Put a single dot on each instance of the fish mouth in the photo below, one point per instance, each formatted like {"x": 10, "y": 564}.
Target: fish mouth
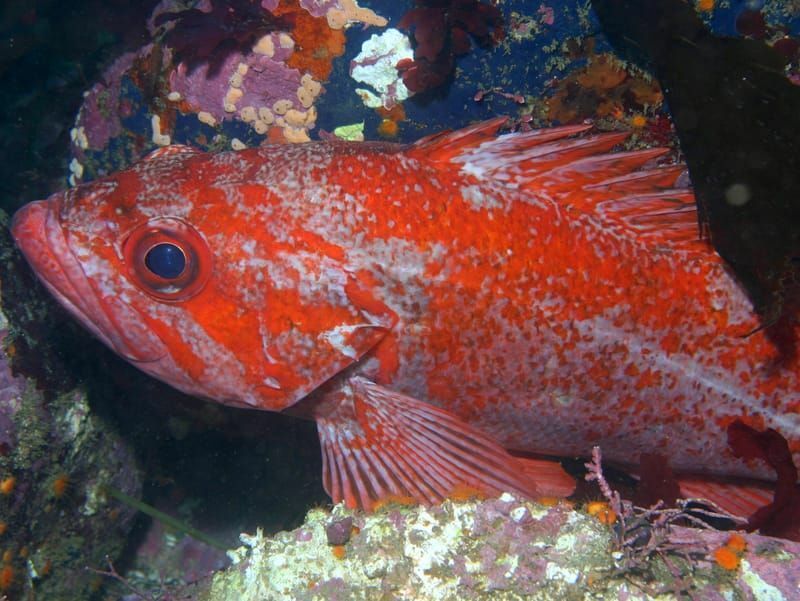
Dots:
{"x": 37, "y": 231}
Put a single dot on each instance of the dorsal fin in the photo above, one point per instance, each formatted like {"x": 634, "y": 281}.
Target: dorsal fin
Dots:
{"x": 624, "y": 190}
{"x": 448, "y": 145}
{"x": 444, "y": 145}
{"x": 173, "y": 150}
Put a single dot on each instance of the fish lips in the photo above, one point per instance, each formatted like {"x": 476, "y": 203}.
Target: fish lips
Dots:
{"x": 38, "y": 233}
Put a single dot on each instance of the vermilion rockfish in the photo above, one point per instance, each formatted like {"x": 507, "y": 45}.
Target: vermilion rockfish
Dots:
{"x": 437, "y": 308}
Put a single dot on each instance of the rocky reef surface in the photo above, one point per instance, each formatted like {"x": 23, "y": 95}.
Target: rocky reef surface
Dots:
{"x": 497, "y": 549}
{"x": 58, "y": 458}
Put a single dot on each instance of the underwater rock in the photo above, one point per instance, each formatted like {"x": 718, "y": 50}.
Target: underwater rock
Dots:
{"x": 57, "y": 456}
{"x": 497, "y": 549}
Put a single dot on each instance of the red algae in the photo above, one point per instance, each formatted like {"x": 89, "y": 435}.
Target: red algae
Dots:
{"x": 782, "y": 516}
{"x": 442, "y": 30}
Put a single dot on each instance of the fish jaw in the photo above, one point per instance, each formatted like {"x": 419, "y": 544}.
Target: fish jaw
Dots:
{"x": 38, "y": 233}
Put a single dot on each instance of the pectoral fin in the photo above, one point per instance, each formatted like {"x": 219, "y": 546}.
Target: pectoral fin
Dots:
{"x": 386, "y": 445}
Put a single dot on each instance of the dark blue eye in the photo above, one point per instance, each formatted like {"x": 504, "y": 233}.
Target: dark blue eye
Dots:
{"x": 165, "y": 260}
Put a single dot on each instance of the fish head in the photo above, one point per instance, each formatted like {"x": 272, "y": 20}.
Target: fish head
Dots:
{"x": 203, "y": 279}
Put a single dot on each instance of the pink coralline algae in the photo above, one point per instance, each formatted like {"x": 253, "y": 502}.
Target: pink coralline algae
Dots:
{"x": 208, "y": 35}
{"x": 260, "y": 64}
{"x": 500, "y": 548}
{"x": 338, "y": 530}
{"x": 262, "y": 80}
{"x": 99, "y": 118}
{"x": 319, "y": 8}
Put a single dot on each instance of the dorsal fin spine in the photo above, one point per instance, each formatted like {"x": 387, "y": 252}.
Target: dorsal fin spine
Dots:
{"x": 577, "y": 170}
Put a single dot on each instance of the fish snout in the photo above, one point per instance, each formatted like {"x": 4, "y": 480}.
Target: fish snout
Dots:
{"x": 38, "y": 233}
{"x": 28, "y": 222}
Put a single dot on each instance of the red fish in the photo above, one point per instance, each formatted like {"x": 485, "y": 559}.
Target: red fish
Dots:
{"x": 437, "y": 308}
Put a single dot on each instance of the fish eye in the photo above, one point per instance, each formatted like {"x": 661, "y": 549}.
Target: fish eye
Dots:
{"x": 167, "y": 258}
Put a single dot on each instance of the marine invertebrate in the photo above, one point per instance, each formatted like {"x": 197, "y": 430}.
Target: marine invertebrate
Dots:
{"x": 388, "y": 128}
{"x": 6, "y": 577}
{"x": 495, "y": 548}
{"x": 736, "y": 542}
{"x": 315, "y": 42}
{"x": 7, "y": 485}
{"x": 256, "y": 87}
{"x": 99, "y": 118}
{"x": 604, "y": 88}
{"x": 729, "y": 555}
{"x": 268, "y": 72}
{"x": 207, "y": 37}
{"x": 601, "y": 511}
{"x": 726, "y": 558}
{"x": 338, "y": 530}
{"x": 442, "y": 30}
{"x": 60, "y": 485}
{"x": 341, "y": 13}
{"x": 376, "y": 65}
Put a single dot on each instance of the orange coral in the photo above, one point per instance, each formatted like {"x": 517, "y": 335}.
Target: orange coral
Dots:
{"x": 729, "y": 555}
{"x": 603, "y": 513}
{"x": 736, "y": 543}
{"x": 275, "y": 135}
{"x": 645, "y": 93}
{"x": 6, "y": 577}
{"x": 60, "y": 485}
{"x": 396, "y": 113}
{"x": 338, "y": 551}
{"x": 46, "y": 568}
{"x": 315, "y": 43}
{"x": 388, "y": 128}
{"x": 7, "y": 485}
{"x": 462, "y": 492}
{"x": 726, "y": 558}
{"x": 602, "y": 88}
{"x": 602, "y": 73}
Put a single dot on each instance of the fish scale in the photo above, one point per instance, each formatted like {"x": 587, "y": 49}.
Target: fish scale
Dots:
{"x": 433, "y": 307}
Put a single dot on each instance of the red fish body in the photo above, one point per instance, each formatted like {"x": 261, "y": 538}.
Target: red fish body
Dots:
{"x": 431, "y": 306}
